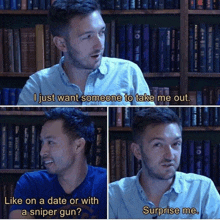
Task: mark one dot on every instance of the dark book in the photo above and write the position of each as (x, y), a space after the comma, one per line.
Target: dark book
(117, 5)
(35, 4)
(112, 161)
(23, 4)
(216, 48)
(209, 4)
(17, 51)
(176, 4)
(2, 7)
(167, 58)
(10, 146)
(178, 51)
(191, 161)
(29, 4)
(113, 37)
(127, 117)
(162, 49)
(18, 4)
(144, 4)
(40, 49)
(37, 148)
(132, 4)
(150, 4)
(198, 157)
(199, 116)
(192, 4)
(12, 98)
(6, 51)
(1, 50)
(214, 163)
(187, 117)
(173, 50)
(7, 5)
(169, 4)
(110, 5)
(42, 5)
(125, 4)
(99, 147)
(13, 5)
(137, 44)
(210, 46)
(191, 48)
(129, 42)
(118, 158)
(215, 4)
(11, 50)
(47, 2)
(24, 49)
(32, 50)
(17, 148)
(216, 116)
(123, 158)
(138, 4)
(156, 4)
(5, 96)
(202, 48)
(146, 48)
(193, 116)
(205, 116)
(130, 160)
(33, 147)
(195, 48)
(121, 41)
(199, 4)
(4, 146)
(119, 122)
(154, 50)
(207, 159)
(205, 95)
(199, 97)
(25, 150)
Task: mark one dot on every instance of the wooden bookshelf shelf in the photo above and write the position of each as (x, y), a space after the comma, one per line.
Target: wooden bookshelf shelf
(204, 12)
(196, 74)
(152, 75)
(17, 171)
(126, 129)
(41, 113)
(11, 74)
(23, 12)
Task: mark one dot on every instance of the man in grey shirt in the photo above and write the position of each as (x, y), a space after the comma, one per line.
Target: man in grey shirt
(83, 76)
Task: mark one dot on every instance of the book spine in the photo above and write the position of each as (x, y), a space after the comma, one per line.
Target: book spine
(198, 157)
(33, 147)
(10, 146)
(216, 48)
(129, 42)
(1, 50)
(26, 147)
(2, 7)
(5, 96)
(145, 48)
(6, 51)
(156, 4)
(137, 44)
(173, 51)
(167, 58)
(24, 49)
(119, 117)
(113, 53)
(112, 161)
(210, 49)
(17, 159)
(214, 164)
(11, 50)
(162, 48)
(7, 5)
(121, 41)
(4, 146)
(29, 4)
(35, 4)
(42, 5)
(169, 4)
(138, 4)
(194, 116)
(178, 51)
(187, 117)
(154, 50)
(199, 4)
(132, 4)
(192, 4)
(99, 155)
(17, 51)
(40, 49)
(205, 116)
(117, 4)
(123, 159)
(209, 4)
(203, 43)
(110, 5)
(144, 4)
(125, 4)
(191, 48)
(32, 50)
(207, 161)
(37, 149)
(14, 5)
(23, 4)
(195, 66)
(127, 117)
(118, 158)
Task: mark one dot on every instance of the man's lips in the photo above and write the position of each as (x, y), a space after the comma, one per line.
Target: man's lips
(167, 164)
(47, 162)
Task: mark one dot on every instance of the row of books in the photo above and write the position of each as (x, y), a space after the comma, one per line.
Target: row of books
(204, 4)
(139, 4)
(18, 51)
(6, 191)
(197, 157)
(9, 96)
(25, 4)
(201, 157)
(190, 116)
(204, 48)
(20, 147)
(152, 49)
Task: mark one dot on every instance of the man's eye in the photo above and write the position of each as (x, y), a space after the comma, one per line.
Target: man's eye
(177, 144)
(158, 145)
(87, 37)
(50, 142)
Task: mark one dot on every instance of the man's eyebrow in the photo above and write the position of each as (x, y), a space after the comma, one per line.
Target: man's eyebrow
(47, 137)
(161, 139)
(90, 32)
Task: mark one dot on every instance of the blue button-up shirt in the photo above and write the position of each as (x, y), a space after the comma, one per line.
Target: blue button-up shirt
(191, 196)
(116, 77)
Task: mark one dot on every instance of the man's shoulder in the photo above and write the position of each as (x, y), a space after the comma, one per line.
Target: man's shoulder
(112, 60)
(123, 185)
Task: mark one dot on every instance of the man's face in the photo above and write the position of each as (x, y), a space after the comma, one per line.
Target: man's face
(85, 43)
(161, 150)
(57, 150)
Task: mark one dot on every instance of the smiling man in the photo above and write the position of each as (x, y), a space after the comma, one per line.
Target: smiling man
(69, 188)
(83, 74)
(158, 190)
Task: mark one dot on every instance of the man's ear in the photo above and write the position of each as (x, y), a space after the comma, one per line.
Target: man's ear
(60, 43)
(135, 148)
(80, 145)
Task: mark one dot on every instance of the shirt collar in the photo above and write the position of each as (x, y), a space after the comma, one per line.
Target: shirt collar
(103, 68)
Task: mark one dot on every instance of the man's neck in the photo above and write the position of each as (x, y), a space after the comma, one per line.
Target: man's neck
(76, 76)
(71, 180)
(155, 188)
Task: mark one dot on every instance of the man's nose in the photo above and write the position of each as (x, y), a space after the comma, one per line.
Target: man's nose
(99, 42)
(44, 149)
(168, 152)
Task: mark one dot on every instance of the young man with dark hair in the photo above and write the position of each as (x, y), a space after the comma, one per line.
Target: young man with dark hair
(83, 74)
(158, 190)
(69, 188)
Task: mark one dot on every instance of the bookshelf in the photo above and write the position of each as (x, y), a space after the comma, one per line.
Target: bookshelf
(29, 117)
(120, 138)
(178, 18)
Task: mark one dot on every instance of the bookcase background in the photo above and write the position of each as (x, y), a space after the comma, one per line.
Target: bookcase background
(176, 18)
(126, 165)
(35, 116)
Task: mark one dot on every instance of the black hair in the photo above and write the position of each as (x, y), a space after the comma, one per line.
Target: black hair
(62, 11)
(76, 124)
(152, 116)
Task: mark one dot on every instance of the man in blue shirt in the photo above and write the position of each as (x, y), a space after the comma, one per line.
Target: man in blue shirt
(158, 190)
(69, 188)
(83, 76)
